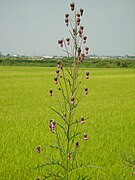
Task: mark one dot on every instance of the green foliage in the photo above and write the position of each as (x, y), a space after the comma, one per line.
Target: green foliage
(24, 100)
(91, 63)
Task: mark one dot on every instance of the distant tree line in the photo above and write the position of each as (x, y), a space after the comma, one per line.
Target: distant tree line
(51, 62)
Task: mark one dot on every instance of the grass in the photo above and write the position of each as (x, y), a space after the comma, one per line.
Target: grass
(24, 115)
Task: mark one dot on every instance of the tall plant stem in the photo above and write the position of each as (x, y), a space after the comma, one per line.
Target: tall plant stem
(74, 75)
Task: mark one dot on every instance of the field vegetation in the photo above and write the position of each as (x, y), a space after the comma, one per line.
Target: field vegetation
(24, 116)
(50, 62)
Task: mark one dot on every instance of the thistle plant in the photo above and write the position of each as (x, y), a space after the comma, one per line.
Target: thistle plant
(67, 128)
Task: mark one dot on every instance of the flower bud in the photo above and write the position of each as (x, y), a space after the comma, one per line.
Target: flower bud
(66, 15)
(78, 15)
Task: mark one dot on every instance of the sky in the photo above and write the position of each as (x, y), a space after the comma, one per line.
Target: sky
(33, 27)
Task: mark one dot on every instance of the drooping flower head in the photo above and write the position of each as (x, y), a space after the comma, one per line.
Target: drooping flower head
(86, 91)
(72, 6)
(78, 15)
(87, 75)
(68, 41)
(86, 49)
(72, 100)
(80, 33)
(84, 39)
(66, 21)
(81, 11)
(78, 21)
(52, 125)
(57, 72)
(77, 144)
(51, 91)
(85, 137)
(82, 120)
(38, 150)
(60, 42)
(66, 15)
(58, 64)
(55, 80)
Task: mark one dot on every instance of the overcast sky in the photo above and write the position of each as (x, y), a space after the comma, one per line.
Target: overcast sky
(32, 27)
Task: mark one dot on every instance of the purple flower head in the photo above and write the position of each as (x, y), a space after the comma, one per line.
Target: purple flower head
(84, 39)
(38, 150)
(68, 157)
(78, 21)
(81, 11)
(80, 33)
(85, 137)
(87, 75)
(86, 49)
(82, 120)
(72, 6)
(52, 125)
(58, 64)
(86, 91)
(57, 73)
(77, 145)
(81, 28)
(72, 100)
(55, 80)
(51, 91)
(60, 42)
(68, 41)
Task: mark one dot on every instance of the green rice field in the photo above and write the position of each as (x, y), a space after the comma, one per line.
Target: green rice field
(25, 112)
